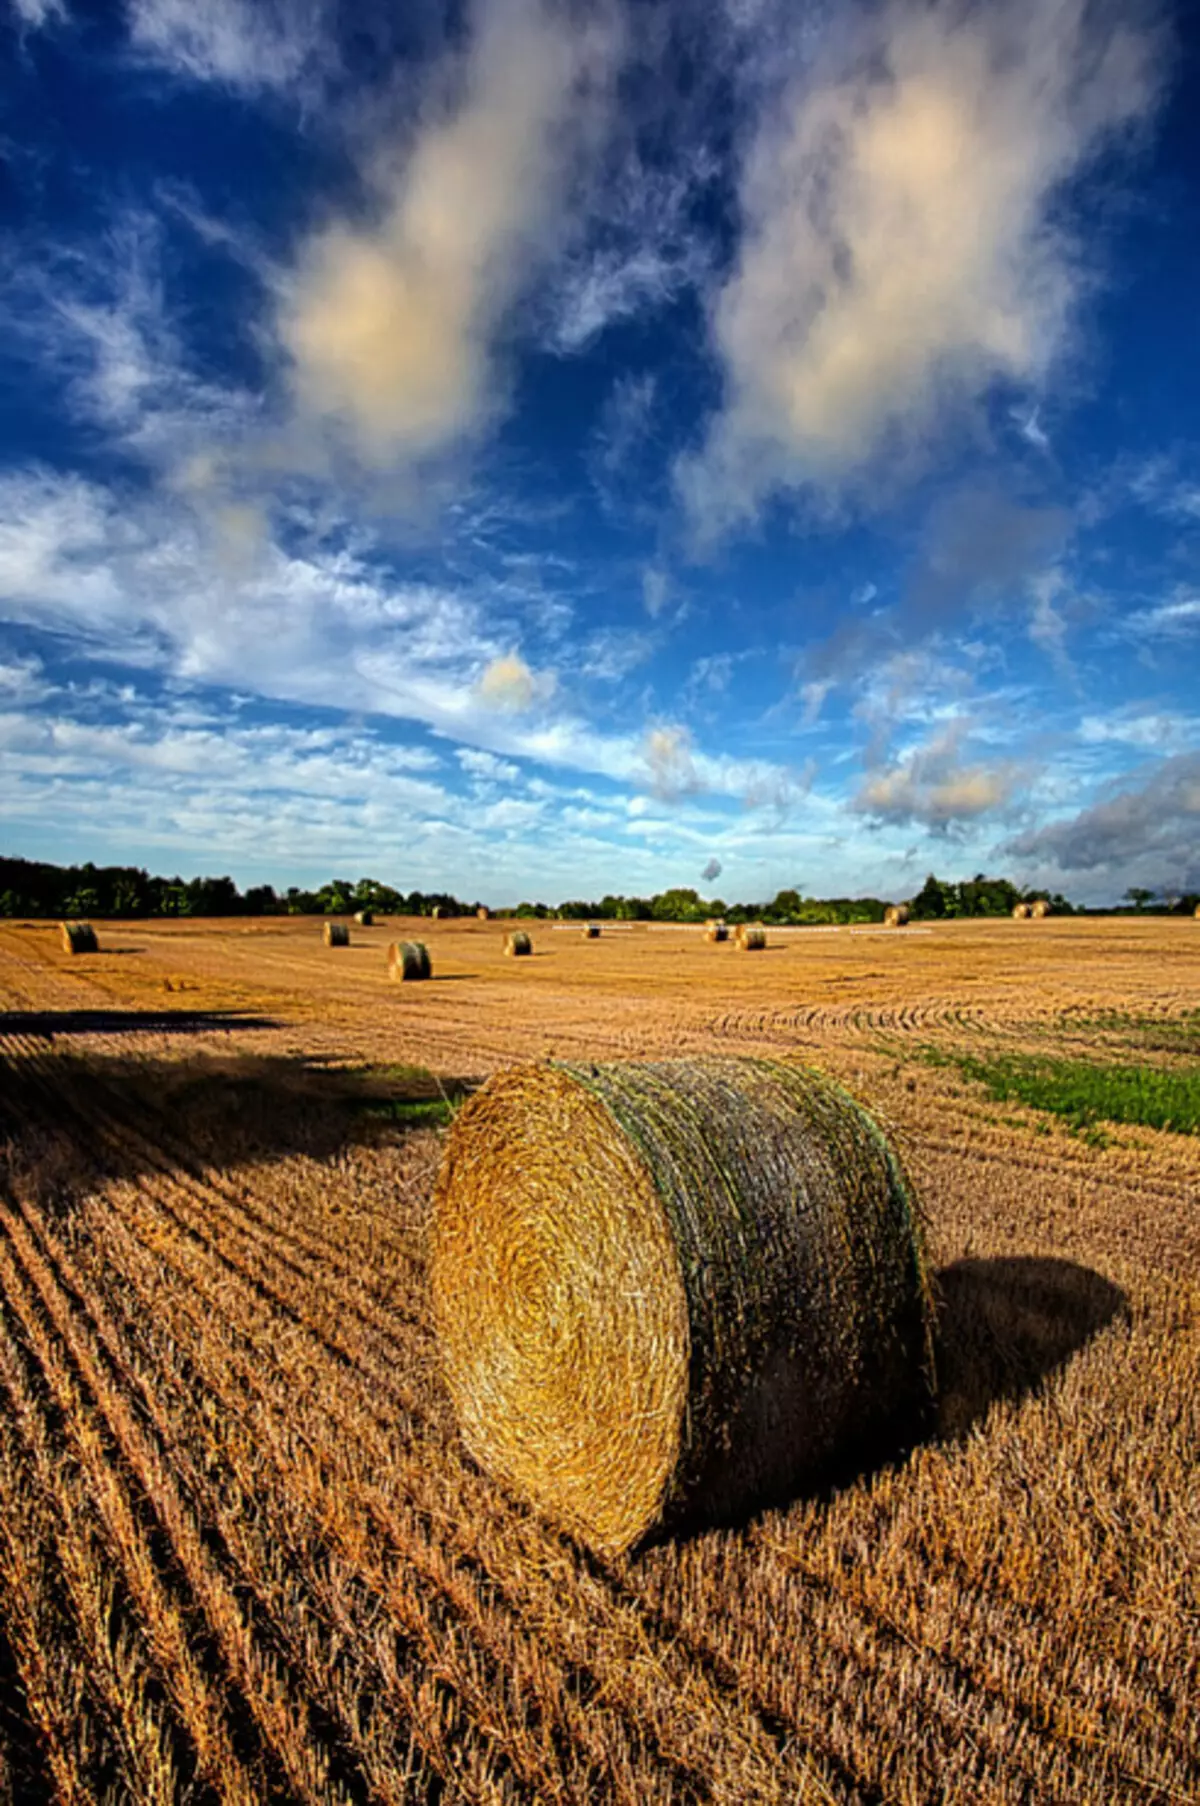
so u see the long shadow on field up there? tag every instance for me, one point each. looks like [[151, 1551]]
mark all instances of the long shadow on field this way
[[67, 1119], [1005, 1325], [47, 1025]]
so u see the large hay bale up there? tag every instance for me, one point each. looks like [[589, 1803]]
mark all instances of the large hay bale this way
[[78, 937], [1040, 909], [591, 931], [752, 938], [1022, 912], [336, 934], [364, 917], [408, 961], [666, 1293], [517, 943], [716, 931], [896, 915]]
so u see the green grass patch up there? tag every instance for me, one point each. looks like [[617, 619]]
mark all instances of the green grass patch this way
[[411, 1112], [1156, 1034], [1086, 1093]]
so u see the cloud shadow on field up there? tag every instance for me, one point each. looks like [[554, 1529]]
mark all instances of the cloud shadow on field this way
[[46, 1025], [69, 1119]]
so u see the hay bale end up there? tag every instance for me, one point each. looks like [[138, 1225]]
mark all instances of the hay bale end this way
[[668, 1292], [751, 937], [896, 915], [517, 944], [336, 934], [364, 917], [716, 931], [1022, 912], [591, 931], [1040, 909]]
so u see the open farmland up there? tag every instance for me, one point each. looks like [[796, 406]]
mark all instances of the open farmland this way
[[242, 1555]]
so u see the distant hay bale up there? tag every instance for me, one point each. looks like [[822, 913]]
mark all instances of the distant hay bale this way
[[517, 943], [78, 937], [591, 931], [668, 1292], [1040, 910], [1196, 912], [436, 912], [336, 934], [364, 917], [408, 961], [751, 938], [896, 915], [481, 914], [715, 931], [1022, 912]]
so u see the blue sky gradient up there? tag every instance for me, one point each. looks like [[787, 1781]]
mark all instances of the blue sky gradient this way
[[538, 448]]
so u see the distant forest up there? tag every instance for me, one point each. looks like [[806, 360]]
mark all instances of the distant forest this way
[[30, 888]]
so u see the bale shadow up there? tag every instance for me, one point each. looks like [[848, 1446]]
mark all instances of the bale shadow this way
[[47, 1025], [71, 1120], [1006, 1325]]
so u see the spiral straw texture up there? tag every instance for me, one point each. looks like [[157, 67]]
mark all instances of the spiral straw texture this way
[[669, 1291], [408, 961], [78, 937]]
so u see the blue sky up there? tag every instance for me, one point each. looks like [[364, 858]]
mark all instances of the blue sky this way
[[539, 448]]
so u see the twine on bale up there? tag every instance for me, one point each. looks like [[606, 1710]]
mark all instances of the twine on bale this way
[[667, 1292], [408, 961], [517, 943], [896, 915], [336, 934], [78, 937]]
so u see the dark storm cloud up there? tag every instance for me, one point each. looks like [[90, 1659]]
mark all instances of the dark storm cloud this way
[[1148, 830]]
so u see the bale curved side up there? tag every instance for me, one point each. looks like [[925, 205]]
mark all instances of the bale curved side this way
[[667, 1292], [752, 940], [408, 961], [336, 934], [517, 944], [591, 931], [1196, 912], [78, 937], [1040, 909], [364, 917], [716, 931], [896, 915], [1022, 912]]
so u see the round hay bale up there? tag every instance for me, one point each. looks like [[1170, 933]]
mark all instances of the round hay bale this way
[[517, 943], [715, 931], [78, 937], [895, 915], [752, 938], [336, 934], [1196, 912], [666, 1293], [1040, 909], [592, 931], [1022, 912], [364, 917], [408, 961], [436, 912], [481, 914]]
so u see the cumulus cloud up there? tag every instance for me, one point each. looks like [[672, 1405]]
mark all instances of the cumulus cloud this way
[[899, 248], [244, 44], [509, 684], [669, 762], [393, 326], [712, 870], [933, 787], [1147, 831]]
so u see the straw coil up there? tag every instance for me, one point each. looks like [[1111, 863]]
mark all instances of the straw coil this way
[[517, 943], [1022, 912], [715, 931], [591, 931], [364, 917], [1040, 909], [668, 1292], [895, 915], [481, 914], [336, 934], [408, 961], [78, 937], [752, 938]]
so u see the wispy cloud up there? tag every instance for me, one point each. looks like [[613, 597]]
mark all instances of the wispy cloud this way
[[394, 325], [247, 45], [900, 249], [934, 786]]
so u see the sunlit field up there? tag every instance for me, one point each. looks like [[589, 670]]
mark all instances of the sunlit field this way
[[242, 1553]]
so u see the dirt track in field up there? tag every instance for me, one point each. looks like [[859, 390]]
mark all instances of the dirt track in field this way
[[242, 1557]]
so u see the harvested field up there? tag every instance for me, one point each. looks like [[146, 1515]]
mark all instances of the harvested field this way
[[243, 1555]]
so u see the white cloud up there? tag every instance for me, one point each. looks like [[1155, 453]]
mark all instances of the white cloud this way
[[243, 44], [393, 326], [1178, 619], [35, 15], [899, 250], [485, 767], [934, 786]]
